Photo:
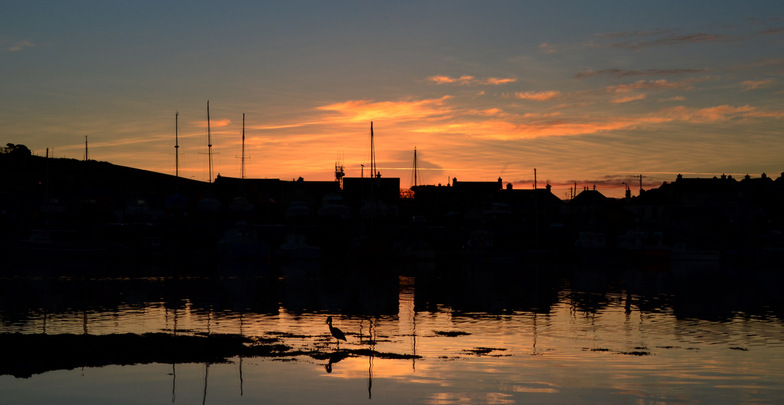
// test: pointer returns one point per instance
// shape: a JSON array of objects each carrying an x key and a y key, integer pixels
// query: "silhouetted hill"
[
  {"x": 35, "y": 174},
  {"x": 51, "y": 193}
]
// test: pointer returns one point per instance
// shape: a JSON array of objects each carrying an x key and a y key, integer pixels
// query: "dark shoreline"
[{"x": 28, "y": 354}]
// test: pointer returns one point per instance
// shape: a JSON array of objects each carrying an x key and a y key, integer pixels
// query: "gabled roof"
[{"x": 589, "y": 197}]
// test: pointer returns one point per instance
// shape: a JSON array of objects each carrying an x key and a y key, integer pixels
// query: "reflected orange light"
[{"x": 359, "y": 367}]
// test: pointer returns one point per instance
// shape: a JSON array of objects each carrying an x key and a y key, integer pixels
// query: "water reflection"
[{"x": 434, "y": 335}]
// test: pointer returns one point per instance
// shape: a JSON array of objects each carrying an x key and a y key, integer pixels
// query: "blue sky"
[{"x": 586, "y": 92}]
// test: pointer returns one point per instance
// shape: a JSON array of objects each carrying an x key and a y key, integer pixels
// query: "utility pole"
[
  {"x": 641, "y": 190},
  {"x": 86, "y": 156}
]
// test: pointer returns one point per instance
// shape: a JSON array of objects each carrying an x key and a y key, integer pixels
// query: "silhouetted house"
[
  {"x": 592, "y": 211},
  {"x": 460, "y": 200},
  {"x": 760, "y": 203},
  {"x": 432, "y": 202},
  {"x": 589, "y": 198},
  {"x": 780, "y": 181},
  {"x": 474, "y": 196},
  {"x": 273, "y": 196},
  {"x": 528, "y": 204},
  {"x": 584, "y": 206},
  {"x": 485, "y": 200},
  {"x": 650, "y": 208},
  {"x": 703, "y": 192},
  {"x": 530, "y": 197},
  {"x": 701, "y": 205},
  {"x": 718, "y": 213},
  {"x": 479, "y": 188}
]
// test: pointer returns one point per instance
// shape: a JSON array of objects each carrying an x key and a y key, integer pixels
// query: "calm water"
[{"x": 486, "y": 336}]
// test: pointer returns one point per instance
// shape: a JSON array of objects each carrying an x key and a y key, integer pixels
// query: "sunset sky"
[{"x": 592, "y": 93}]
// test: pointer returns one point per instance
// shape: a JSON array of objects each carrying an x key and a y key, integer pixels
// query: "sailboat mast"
[
  {"x": 372, "y": 153},
  {"x": 242, "y": 170},
  {"x": 209, "y": 142},
  {"x": 177, "y": 144}
]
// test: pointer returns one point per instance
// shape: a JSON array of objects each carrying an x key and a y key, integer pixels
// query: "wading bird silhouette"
[{"x": 336, "y": 333}]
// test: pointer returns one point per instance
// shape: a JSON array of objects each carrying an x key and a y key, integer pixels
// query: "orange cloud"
[
  {"x": 512, "y": 127},
  {"x": 488, "y": 112},
  {"x": 20, "y": 45},
  {"x": 499, "y": 80},
  {"x": 468, "y": 80},
  {"x": 365, "y": 110},
  {"x": 214, "y": 123},
  {"x": 627, "y": 99},
  {"x": 756, "y": 84},
  {"x": 718, "y": 113},
  {"x": 670, "y": 40},
  {"x": 537, "y": 96},
  {"x": 648, "y": 72},
  {"x": 548, "y": 48},
  {"x": 450, "y": 80},
  {"x": 648, "y": 84},
  {"x": 505, "y": 130}
]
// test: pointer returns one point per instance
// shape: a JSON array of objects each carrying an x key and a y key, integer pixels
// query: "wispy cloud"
[
  {"x": 756, "y": 84},
  {"x": 364, "y": 111},
  {"x": 468, "y": 80},
  {"x": 18, "y": 46},
  {"x": 672, "y": 40},
  {"x": 633, "y": 34},
  {"x": 772, "y": 31},
  {"x": 528, "y": 126},
  {"x": 628, "y": 99},
  {"x": 648, "y": 84},
  {"x": 537, "y": 95},
  {"x": 354, "y": 111},
  {"x": 638, "y": 40},
  {"x": 646, "y": 72},
  {"x": 761, "y": 63},
  {"x": 507, "y": 131},
  {"x": 675, "y": 98},
  {"x": 214, "y": 123},
  {"x": 718, "y": 113},
  {"x": 498, "y": 80},
  {"x": 488, "y": 112},
  {"x": 547, "y": 47}
]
